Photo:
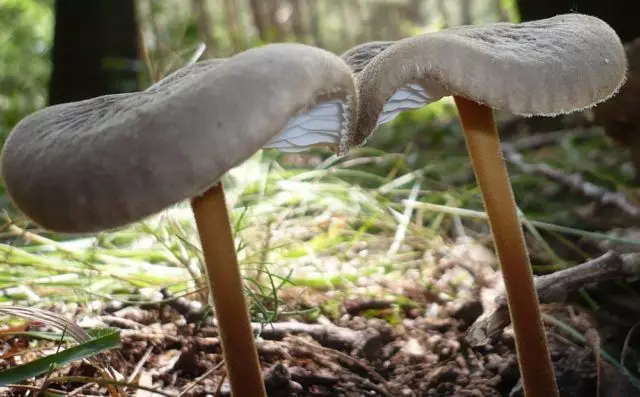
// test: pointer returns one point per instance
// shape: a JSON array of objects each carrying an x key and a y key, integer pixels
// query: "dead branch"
[
  {"x": 575, "y": 182},
  {"x": 330, "y": 336},
  {"x": 556, "y": 287},
  {"x": 537, "y": 141}
]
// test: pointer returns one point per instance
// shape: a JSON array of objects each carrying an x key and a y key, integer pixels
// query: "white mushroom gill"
[
  {"x": 408, "y": 97},
  {"x": 326, "y": 123}
]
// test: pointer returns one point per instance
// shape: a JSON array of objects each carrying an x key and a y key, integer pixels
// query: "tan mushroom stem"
[
  {"x": 226, "y": 288},
  {"x": 488, "y": 164}
]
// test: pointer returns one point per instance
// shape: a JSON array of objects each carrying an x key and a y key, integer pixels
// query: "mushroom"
[
  {"x": 106, "y": 162},
  {"x": 546, "y": 67},
  {"x": 358, "y": 57},
  {"x": 324, "y": 125},
  {"x": 188, "y": 72},
  {"x": 412, "y": 95}
]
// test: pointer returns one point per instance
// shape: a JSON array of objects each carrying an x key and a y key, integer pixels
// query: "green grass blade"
[
  {"x": 51, "y": 336},
  {"x": 109, "y": 339}
]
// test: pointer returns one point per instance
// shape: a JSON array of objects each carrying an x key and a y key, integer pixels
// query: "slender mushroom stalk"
[
  {"x": 110, "y": 161},
  {"x": 547, "y": 67},
  {"x": 483, "y": 144},
  {"x": 226, "y": 287}
]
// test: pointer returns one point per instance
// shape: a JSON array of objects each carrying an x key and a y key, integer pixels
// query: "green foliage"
[
  {"x": 26, "y": 37},
  {"x": 102, "y": 340}
]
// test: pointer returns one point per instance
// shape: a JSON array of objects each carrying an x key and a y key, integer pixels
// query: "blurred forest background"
[
  {"x": 58, "y": 51},
  {"x": 107, "y": 46}
]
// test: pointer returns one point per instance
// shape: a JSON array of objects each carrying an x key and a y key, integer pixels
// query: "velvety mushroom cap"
[
  {"x": 182, "y": 75},
  {"x": 105, "y": 162},
  {"x": 545, "y": 67},
  {"x": 358, "y": 57},
  {"x": 326, "y": 124}
]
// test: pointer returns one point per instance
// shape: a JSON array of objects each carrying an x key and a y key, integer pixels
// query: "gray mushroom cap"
[
  {"x": 545, "y": 67},
  {"x": 109, "y": 161},
  {"x": 326, "y": 124},
  {"x": 358, "y": 57},
  {"x": 182, "y": 75}
]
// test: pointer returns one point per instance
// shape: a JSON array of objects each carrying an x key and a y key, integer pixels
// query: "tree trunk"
[
  {"x": 385, "y": 22},
  {"x": 260, "y": 18},
  {"x": 362, "y": 34},
  {"x": 466, "y": 12},
  {"x": 235, "y": 32},
  {"x": 377, "y": 22},
  {"x": 95, "y": 49},
  {"x": 501, "y": 12},
  {"x": 443, "y": 11},
  {"x": 314, "y": 23},
  {"x": 620, "y": 14},
  {"x": 205, "y": 25},
  {"x": 266, "y": 20},
  {"x": 276, "y": 31},
  {"x": 297, "y": 21},
  {"x": 156, "y": 66},
  {"x": 413, "y": 12},
  {"x": 345, "y": 27}
]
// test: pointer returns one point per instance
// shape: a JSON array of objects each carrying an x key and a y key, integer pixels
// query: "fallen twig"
[
  {"x": 556, "y": 287},
  {"x": 327, "y": 335},
  {"x": 354, "y": 307},
  {"x": 540, "y": 140},
  {"x": 576, "y": 182}
]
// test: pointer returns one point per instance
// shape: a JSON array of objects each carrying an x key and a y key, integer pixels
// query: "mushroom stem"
[
  {"x": 226, "y": 288},
  {"x": 483, "y": 144}
]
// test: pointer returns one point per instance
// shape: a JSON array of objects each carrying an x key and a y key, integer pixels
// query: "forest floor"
[
  {"x": 372, "y": 347},
  {"x": 359, "y": 309}
]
